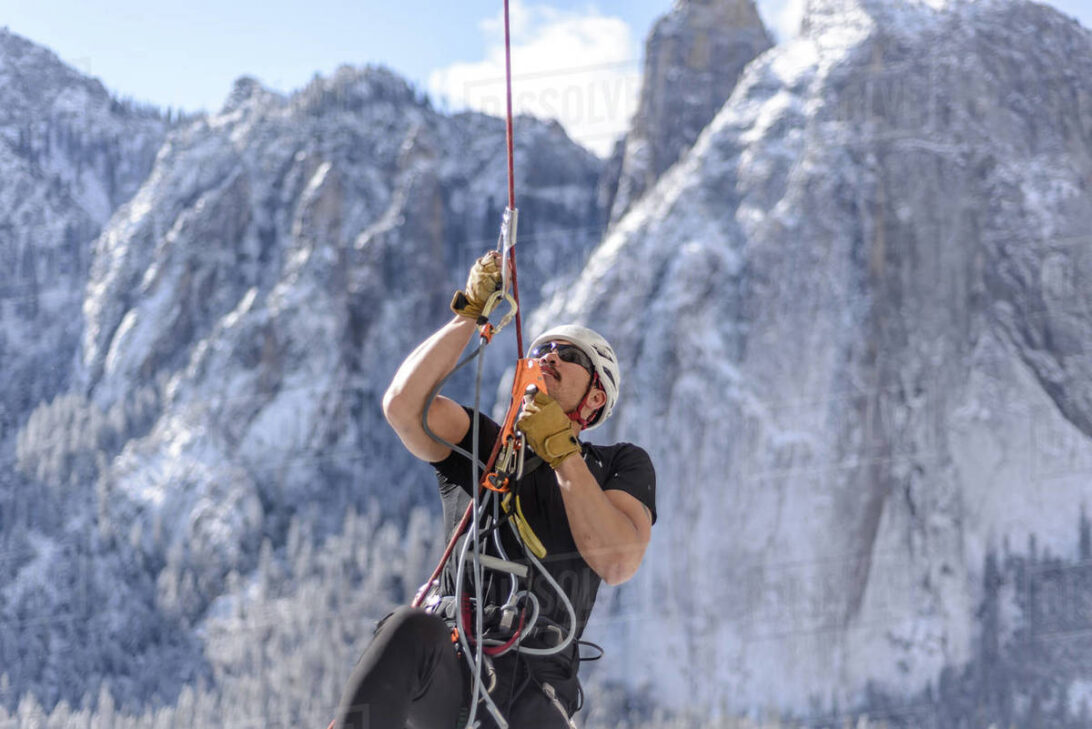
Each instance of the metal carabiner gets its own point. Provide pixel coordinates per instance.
(491, 303)
(521, 447)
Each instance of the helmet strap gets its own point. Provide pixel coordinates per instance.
(575, 415)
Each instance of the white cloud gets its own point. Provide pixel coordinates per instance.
(579, 68)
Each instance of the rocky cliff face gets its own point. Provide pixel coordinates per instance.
(693, 58)
(861, 354)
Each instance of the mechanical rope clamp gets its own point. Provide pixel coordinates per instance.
(528, 372)
(507, 243)
(504, 467)
(508, 456)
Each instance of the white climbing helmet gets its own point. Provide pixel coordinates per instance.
(602, 356)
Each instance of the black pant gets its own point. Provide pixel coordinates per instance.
(411, 678)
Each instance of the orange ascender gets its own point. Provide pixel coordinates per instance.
(511, 448)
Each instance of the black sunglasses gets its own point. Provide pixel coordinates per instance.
(565, 352)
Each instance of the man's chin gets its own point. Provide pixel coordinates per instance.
(551, 385)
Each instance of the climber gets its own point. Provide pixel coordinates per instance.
(592, 507)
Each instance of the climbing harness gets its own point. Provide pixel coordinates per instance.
(496, 495)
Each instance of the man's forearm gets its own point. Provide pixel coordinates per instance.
(611, 541)
(425, 366)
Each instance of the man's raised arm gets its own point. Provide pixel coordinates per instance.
(430, 362)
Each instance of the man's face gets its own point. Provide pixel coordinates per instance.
(566, 376)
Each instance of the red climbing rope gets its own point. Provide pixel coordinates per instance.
(511, 174)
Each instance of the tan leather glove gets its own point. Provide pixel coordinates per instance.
(548, 430)
(483, 281)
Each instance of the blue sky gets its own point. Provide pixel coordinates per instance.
(186, 55)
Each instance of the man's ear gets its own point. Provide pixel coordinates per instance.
(597, 398)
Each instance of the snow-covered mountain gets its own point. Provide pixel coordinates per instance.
(853, 319)
(854, 324)
(69, 155)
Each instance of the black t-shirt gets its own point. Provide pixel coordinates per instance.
(622, 466)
